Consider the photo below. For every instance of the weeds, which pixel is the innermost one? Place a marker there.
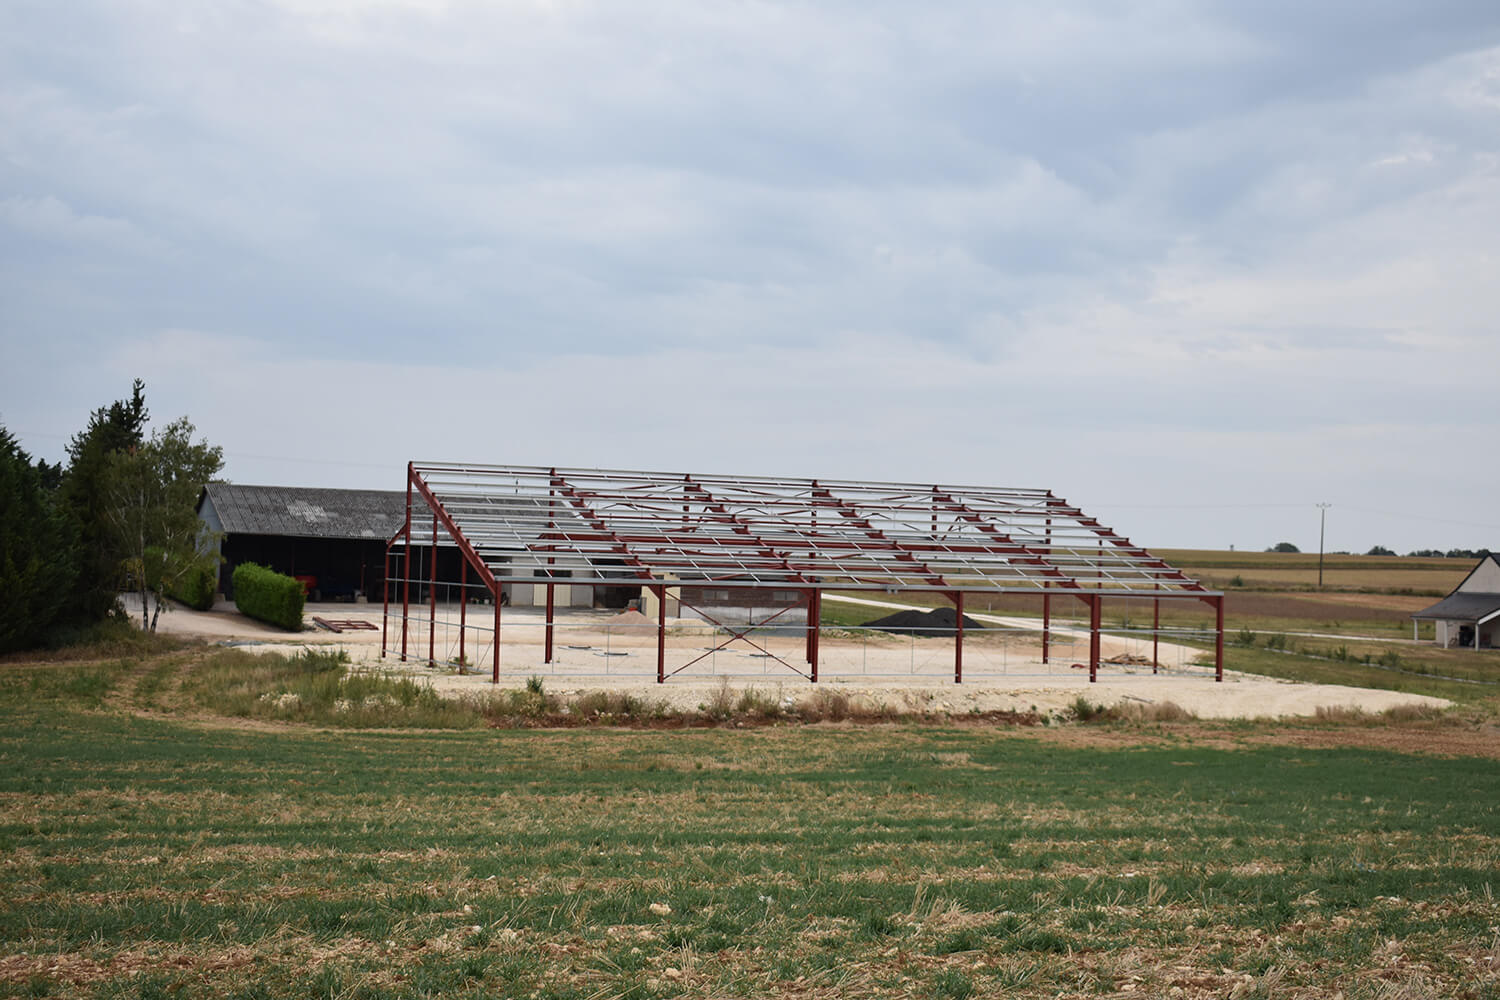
(113, 638)
(1084, 710)
(1139, 712)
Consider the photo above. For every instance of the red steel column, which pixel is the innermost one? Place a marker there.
(432, 597)
(958, 641)
(814, 629)
(495, 646)
(807, 639)
(1094, 603)
(1219, 639)
(1046, 623)
(1155, 632)
(385, 604)
(1047, 599)
(547, 650)
(661, 634)
(463, 605)
(406, 568)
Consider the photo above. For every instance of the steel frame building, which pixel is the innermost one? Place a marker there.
(654, 530)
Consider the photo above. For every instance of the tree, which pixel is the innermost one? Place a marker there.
(1283, 547)
(38, 551)
(112, 430)
(1380, 550)
(152, 493)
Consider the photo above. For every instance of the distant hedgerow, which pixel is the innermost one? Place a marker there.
(196, 588)
(268, 596)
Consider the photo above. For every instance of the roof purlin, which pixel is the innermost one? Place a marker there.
(696, 529)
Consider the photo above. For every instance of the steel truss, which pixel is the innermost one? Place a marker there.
(653, 530)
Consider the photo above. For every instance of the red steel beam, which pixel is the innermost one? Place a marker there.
(432, 598)
(1094, 616)
(1046, 624)
(661, 634)
(1219, 639)
(1155, 633)
(815, 628)
(827, 499)
(547, 644)
(1035, 558)
(406, 574)
(958, 640)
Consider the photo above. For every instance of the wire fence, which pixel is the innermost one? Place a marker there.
(590, 645)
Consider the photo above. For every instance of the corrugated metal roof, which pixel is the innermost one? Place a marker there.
(307, 512)
(1462, 607)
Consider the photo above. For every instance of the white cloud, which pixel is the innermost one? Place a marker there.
(1052, 244)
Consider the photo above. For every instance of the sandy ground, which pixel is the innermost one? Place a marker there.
(1002, 671)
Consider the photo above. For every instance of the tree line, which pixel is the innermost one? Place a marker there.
(121, 516)
(1381, 550)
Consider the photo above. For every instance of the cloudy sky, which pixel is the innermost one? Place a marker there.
(1195, 266)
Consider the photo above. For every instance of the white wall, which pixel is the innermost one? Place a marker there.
(1484, 580)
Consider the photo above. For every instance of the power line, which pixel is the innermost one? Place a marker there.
(1263, 506)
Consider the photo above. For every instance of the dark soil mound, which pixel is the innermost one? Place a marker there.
(932, 624)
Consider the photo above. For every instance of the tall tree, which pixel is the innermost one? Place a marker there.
(38, 563)
(152, 493)
(112, 430)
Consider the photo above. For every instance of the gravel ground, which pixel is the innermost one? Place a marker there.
(1000, 675)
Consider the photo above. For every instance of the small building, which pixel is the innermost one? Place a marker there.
(334, 539)
(1470, 616)
(730, 605)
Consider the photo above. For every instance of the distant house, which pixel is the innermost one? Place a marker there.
(1470, 616)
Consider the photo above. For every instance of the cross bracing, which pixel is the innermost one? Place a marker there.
(606, 527)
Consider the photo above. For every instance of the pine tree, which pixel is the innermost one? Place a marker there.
(38, 551)
(112, 430)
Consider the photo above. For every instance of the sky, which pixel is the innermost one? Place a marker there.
(1196, 267)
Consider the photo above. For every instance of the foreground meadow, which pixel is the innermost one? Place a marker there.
(152, 847)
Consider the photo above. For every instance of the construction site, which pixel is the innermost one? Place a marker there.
(716, 576)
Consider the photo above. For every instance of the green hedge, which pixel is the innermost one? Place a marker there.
(269, 596)
(196, 588)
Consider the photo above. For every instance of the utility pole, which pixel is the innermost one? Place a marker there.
(1322, 522)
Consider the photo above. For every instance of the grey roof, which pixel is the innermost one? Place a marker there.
(1462, 607)
(306, 512)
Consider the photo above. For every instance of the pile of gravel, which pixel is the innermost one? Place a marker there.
(938, 622)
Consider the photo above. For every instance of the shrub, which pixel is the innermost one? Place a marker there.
(195, 588)
(1085, 710)
(1163, 711)
(825, 706)
(269, 596)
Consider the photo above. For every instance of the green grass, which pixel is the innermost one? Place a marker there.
(1458, 675)
(149, 856)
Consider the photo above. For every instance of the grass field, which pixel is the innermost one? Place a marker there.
(153, 847)
(1299, 571)
(1363, 597)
